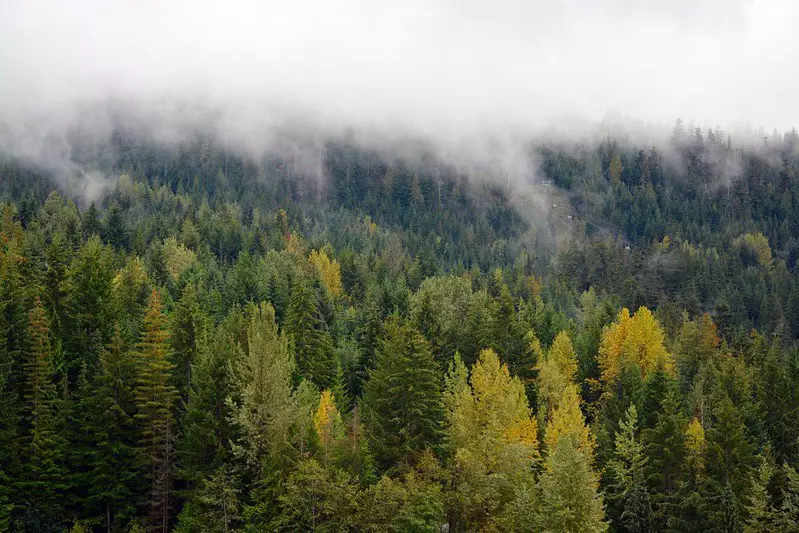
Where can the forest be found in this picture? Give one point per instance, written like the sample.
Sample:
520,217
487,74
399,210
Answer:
226,343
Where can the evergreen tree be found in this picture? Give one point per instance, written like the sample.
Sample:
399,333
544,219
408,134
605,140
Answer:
788,516
665,446
206,424
629,495
402,401
44,481
569,489
187,336
155,399
309,336
762,517
115,484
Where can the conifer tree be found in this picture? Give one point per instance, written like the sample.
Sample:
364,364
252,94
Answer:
569,490
309,337
44,480
761,515
788,515
665,446
635,339
629,495
569,487
261,403
187,338
493,440
402,401
155,399
329,426
206,423
115,485
555,373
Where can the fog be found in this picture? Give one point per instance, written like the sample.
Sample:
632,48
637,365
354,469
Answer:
452,71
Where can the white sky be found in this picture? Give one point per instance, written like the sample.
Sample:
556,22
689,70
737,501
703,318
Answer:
428,65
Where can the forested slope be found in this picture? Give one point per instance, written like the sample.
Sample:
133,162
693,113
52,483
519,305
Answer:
374,343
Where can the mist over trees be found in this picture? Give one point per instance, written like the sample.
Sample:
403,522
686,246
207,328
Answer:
227,343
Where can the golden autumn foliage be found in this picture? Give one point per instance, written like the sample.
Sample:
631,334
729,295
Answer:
493,437
327,420
635,339
329,271
754,245
568,419
492,408
556,371
695,442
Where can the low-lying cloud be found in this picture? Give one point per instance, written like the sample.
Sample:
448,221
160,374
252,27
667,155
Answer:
447,70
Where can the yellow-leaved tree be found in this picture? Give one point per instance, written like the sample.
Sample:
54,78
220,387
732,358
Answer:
328,425
569,487
635,339
329,271
555,373
493,442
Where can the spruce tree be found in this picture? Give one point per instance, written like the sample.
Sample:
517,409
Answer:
629,498
206,426
187,337
666,451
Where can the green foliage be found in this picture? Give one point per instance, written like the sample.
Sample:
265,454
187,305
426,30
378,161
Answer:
326,407
402,405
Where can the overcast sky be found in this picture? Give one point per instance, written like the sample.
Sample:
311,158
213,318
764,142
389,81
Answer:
427,64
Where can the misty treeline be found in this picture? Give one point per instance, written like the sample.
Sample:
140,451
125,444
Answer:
217,344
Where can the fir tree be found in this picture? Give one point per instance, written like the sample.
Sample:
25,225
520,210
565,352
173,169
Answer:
402,401
309,336
569,489
44,481
155,399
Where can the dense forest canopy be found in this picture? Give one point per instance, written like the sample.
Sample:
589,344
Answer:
375,341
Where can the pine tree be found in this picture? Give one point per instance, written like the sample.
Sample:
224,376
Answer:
309,337
155,399
402,401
